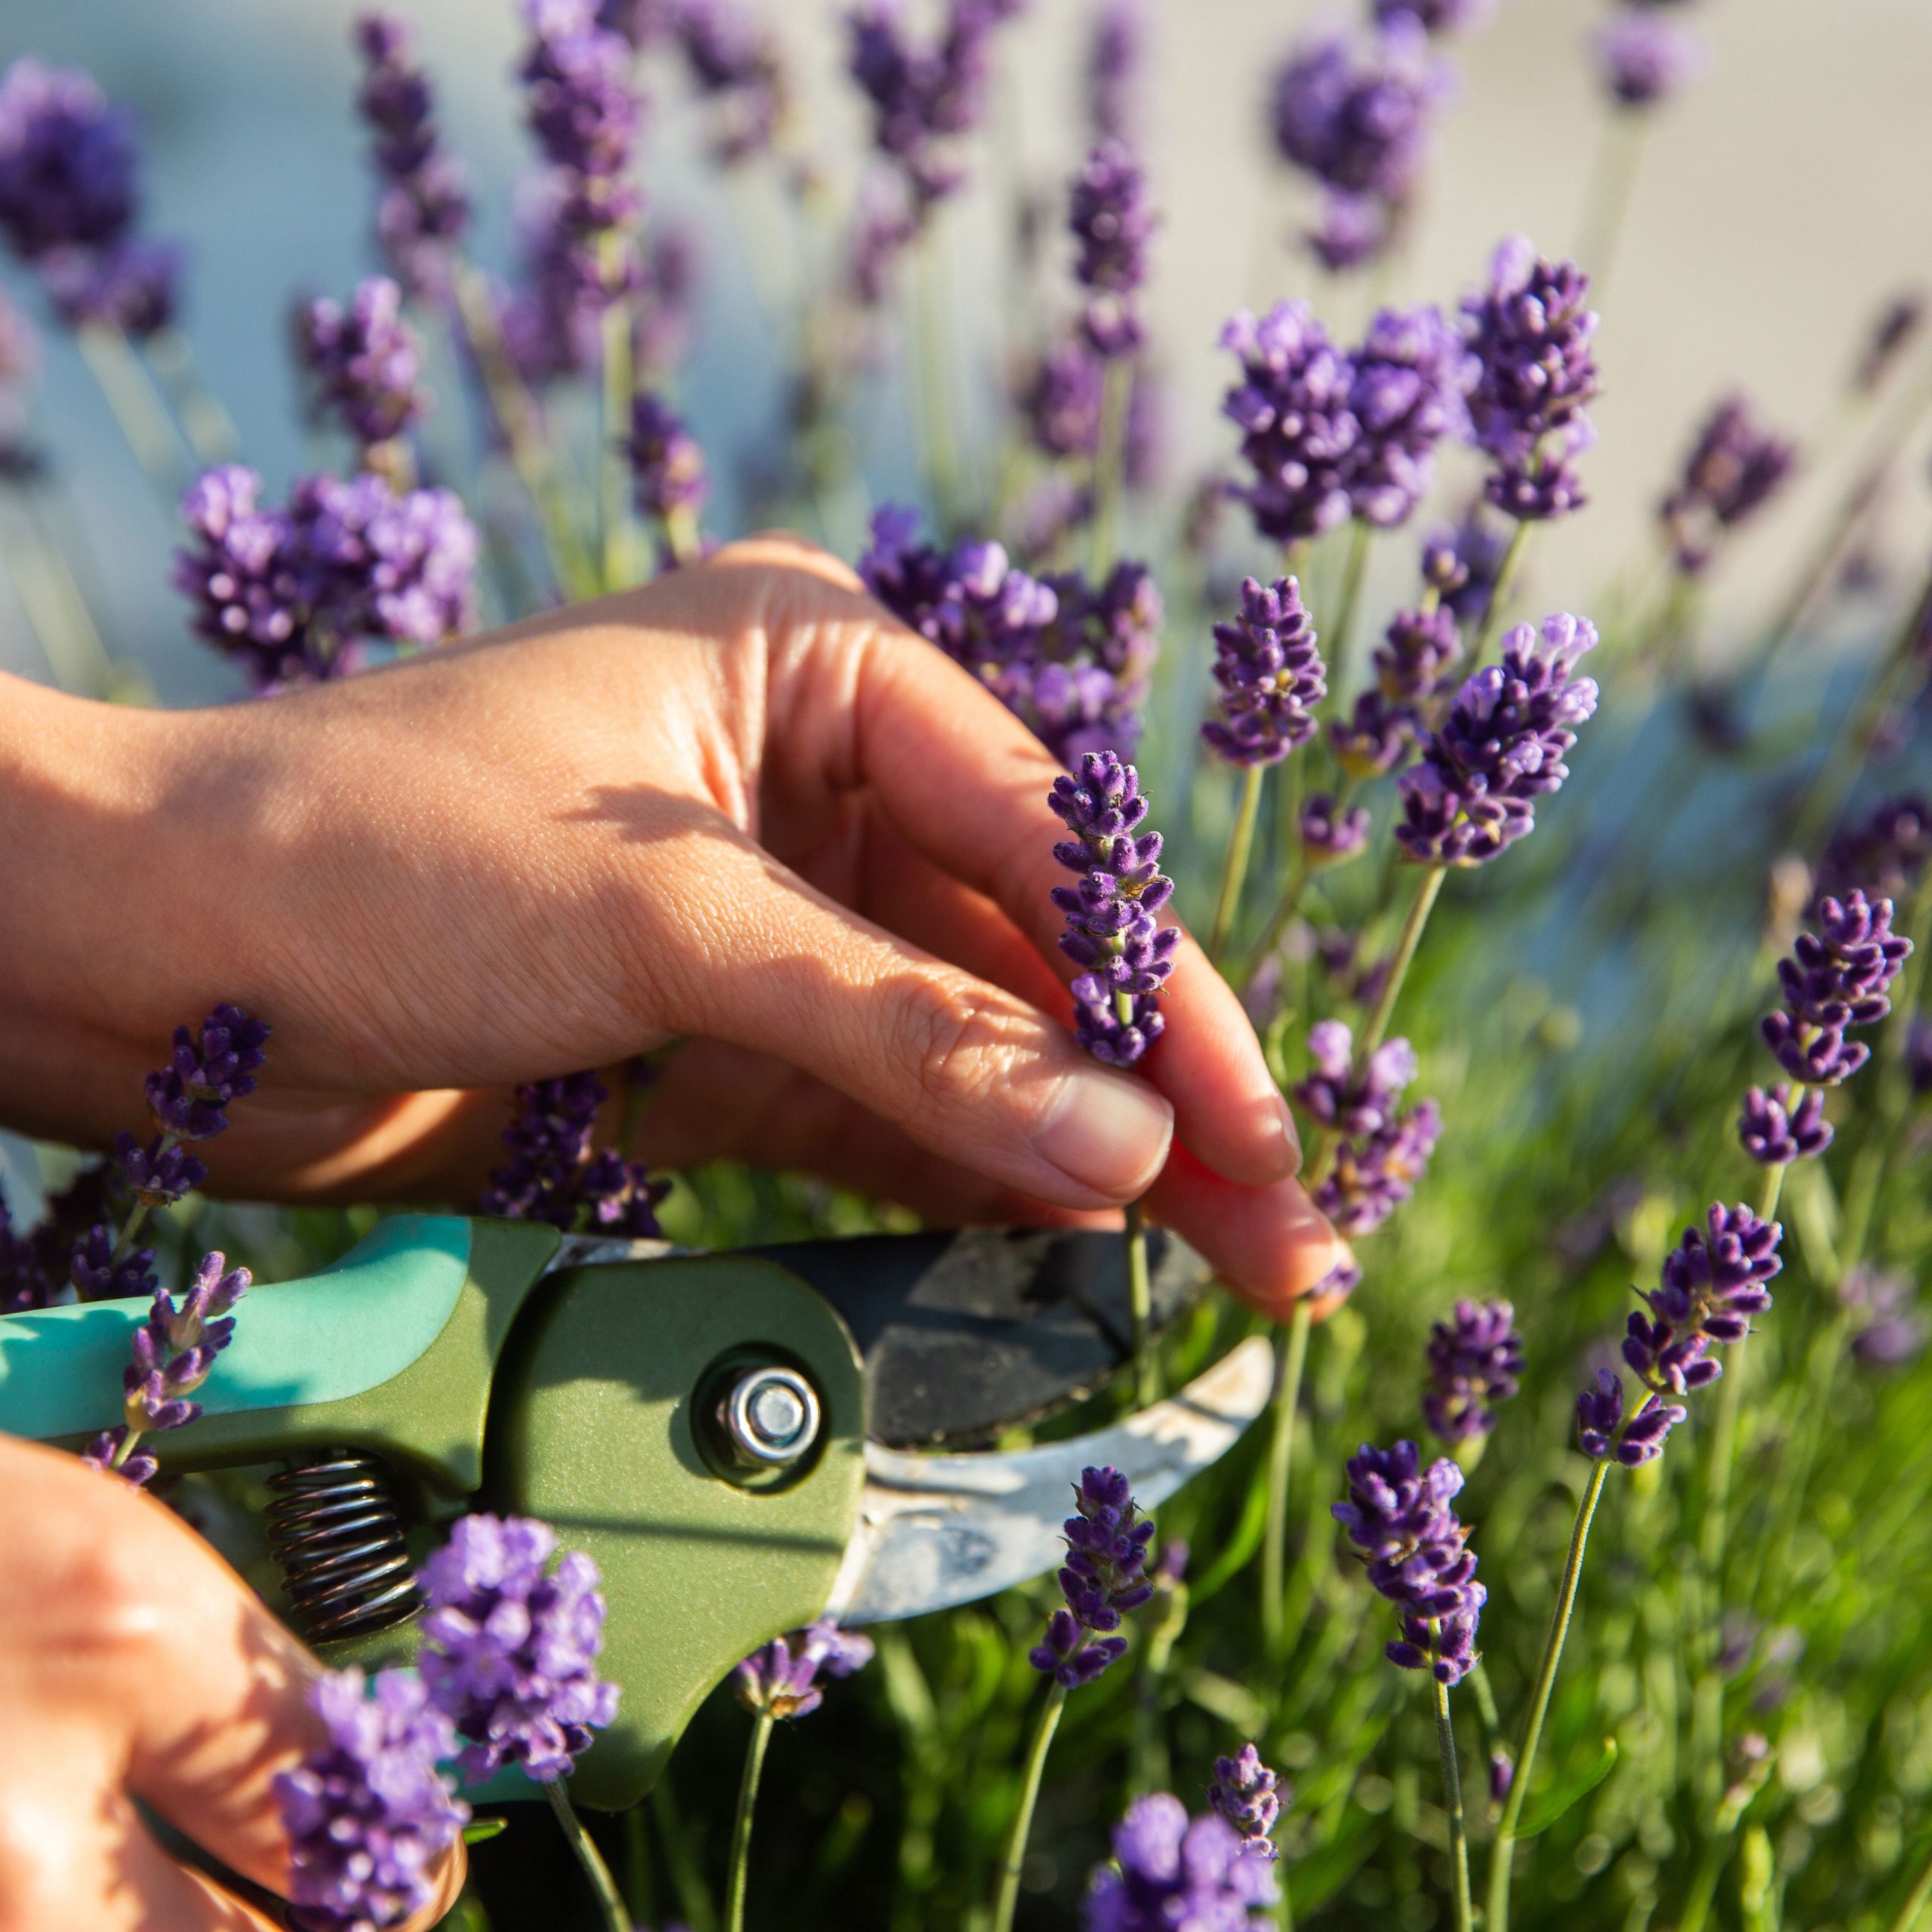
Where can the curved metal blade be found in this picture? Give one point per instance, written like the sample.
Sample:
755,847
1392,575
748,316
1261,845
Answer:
935,1531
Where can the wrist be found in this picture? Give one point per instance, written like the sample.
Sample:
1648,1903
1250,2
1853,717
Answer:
97,935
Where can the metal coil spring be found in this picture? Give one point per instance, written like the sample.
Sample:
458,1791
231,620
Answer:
336,1530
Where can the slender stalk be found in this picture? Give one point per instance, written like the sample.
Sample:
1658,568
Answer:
1909,1913
1008,1897
1110,462
1354,569
1606,205
1497,1917
204,420
1234,872
124,383
1374,1033
1291,1360
681,536
694,1900
616,1917
1300,873
941,450
614,474
516,417
1140,1310
56,608
1499,595
1452,1794
741,1830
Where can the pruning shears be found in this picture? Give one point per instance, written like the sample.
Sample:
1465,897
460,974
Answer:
743,1442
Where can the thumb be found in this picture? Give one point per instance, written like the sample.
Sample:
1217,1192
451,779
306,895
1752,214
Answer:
970,1071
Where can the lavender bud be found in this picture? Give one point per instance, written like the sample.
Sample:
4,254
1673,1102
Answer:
554,1174
781,1678
1411,377
422,210
1644,59
1833,980
1112,224
67,162
1250,1796
1896,329
1104,1578
1329,835
1502,1775
1774,1130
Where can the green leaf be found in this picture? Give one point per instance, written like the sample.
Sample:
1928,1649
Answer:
1239,1547
1560,1800
478,1829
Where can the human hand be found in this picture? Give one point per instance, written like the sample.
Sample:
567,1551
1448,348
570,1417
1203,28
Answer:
135,1664
739,803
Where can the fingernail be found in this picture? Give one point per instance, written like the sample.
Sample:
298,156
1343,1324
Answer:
1107,1132
1288,1133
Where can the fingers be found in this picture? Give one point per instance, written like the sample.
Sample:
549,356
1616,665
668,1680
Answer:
1271,1244
967,1070
968,783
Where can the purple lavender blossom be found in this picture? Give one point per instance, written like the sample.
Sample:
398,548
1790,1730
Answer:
1411,377
173,1351
1736,466
1885,852
1644,59
1399,1517
1329,832
555,1175
1061,400
668,277
1501,1775
667,464
509,1651
1462,563
1110,925
1891,1330
131,287
1105,1579
887,224
1436,17
1112,224
1169,1872
368,1816
1776,1129
1381,1148
1835,979
1473,1361
1115,56
421,208
1601,1431
68,162
782,1678
206,1071
1713,1283
1417,651
1299,429
1472,795
1375,736
733,63
1531,334
1349,230
1354,111
364,361
1249,1796
1271,676
292,594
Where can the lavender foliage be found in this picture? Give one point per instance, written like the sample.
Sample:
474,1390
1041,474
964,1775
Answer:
510,1647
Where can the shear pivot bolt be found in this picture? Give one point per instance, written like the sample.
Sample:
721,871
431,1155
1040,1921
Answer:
771,1417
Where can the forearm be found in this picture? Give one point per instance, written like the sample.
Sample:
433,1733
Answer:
98,954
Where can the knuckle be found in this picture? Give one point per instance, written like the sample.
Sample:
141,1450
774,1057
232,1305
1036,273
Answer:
964,1041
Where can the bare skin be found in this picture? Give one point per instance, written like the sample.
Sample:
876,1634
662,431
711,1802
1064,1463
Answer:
738,806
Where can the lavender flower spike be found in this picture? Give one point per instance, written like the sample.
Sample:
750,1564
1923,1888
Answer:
782,1678
1294,406
1105,1576
1412,378
509,1651
1271,676
364,361
1249,1796
555,1174
368,1816
666,461
1474,1361
1169,1872
1112,224
1735,468
1532,335
1110,924
1601,1431
1775,1129
1381,1149
1644,59
1833,979
67,162
1472,793
421,208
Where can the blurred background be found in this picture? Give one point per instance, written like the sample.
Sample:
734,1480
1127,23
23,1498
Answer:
1772,216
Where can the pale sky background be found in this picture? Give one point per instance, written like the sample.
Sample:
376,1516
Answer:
1778,204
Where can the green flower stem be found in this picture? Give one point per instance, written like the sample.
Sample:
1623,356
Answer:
1300,873
1110,463
1452,1799
941,449
55,607
680,535
124,383
616,1916
1353,572
1235,870
1497,1917
204,420
741,1830
1607,204
530,453
1007,1898
1140,1310
1377,1029
1505,582
1291,1360
1913,1910
614,469
695,1904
